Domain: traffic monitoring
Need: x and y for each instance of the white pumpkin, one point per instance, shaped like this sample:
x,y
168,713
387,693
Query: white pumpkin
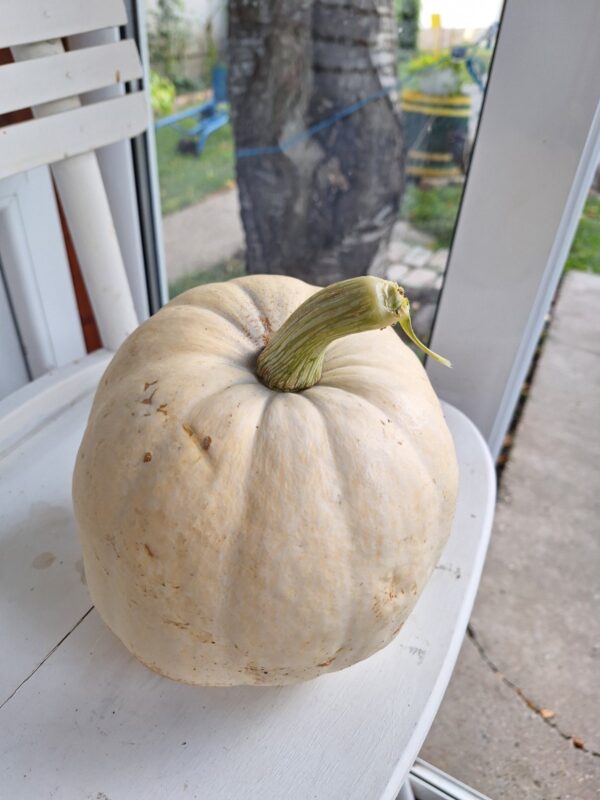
x,y
238,534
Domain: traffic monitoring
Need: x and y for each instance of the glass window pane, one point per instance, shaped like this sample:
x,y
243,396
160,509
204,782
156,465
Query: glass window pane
x,y
321,139
443,75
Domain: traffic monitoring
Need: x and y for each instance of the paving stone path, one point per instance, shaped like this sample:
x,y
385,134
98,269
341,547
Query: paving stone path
x,y
412,261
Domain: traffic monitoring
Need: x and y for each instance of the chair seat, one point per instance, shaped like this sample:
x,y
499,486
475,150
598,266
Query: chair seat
x,y
85,719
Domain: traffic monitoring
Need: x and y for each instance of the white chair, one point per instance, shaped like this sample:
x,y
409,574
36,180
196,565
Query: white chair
x,y
65,133
79,716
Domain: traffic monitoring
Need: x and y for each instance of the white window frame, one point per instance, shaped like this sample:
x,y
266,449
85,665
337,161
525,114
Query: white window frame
x,y
537,148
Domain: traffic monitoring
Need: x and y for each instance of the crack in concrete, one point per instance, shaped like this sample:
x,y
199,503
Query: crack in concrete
x,y
550,721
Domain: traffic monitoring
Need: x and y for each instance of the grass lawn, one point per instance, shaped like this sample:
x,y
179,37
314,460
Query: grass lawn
x,y
233,268
585,250
434,210
184,178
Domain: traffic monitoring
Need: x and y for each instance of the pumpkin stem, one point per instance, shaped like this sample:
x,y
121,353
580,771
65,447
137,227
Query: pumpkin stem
x,y
293,359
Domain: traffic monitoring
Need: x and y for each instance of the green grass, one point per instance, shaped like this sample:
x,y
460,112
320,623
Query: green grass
x,y
186,179
433,210
233,268
585,250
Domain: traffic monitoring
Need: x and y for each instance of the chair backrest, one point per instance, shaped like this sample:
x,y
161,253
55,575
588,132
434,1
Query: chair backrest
x,y
64,133
48,80
219,84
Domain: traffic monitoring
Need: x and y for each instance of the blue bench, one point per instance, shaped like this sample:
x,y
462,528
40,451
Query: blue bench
x,y
211,116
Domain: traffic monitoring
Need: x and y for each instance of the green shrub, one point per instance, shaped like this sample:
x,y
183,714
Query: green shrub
x,y
184,84
168,37
437,74
162,94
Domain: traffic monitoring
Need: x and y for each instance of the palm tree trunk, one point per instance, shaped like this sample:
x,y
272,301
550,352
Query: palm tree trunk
x,y
321,209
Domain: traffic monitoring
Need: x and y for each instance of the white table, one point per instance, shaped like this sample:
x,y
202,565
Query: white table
x,y
82,719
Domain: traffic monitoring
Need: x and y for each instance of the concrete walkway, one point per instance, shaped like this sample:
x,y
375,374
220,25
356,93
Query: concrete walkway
x,y
204,235
520,718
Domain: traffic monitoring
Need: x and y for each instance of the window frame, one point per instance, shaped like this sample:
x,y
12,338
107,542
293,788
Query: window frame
x,y
515,225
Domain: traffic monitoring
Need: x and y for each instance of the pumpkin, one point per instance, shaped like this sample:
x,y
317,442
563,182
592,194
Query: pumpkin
x,y
266,481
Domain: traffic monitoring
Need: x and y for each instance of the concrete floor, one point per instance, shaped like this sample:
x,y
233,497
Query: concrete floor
x,y
521,715
201,236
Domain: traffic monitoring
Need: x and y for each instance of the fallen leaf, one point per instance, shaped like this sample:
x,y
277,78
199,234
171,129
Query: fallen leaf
x,y
547,713
578,743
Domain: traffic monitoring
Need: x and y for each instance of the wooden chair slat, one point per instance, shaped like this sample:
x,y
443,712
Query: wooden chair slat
x,y
23,21
49,139
41,80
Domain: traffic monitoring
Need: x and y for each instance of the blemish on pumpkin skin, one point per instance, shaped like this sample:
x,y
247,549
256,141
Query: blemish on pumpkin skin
x,y
148,400
327,662
149,550
266,323
257,672
203,443
147,457
162,409
202,636
184,626
111,542
148,384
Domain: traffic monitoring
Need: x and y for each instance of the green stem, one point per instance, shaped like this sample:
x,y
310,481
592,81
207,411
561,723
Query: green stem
x,y
293,359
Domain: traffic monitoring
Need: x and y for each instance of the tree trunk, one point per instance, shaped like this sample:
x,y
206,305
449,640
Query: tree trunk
x,y
320,209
